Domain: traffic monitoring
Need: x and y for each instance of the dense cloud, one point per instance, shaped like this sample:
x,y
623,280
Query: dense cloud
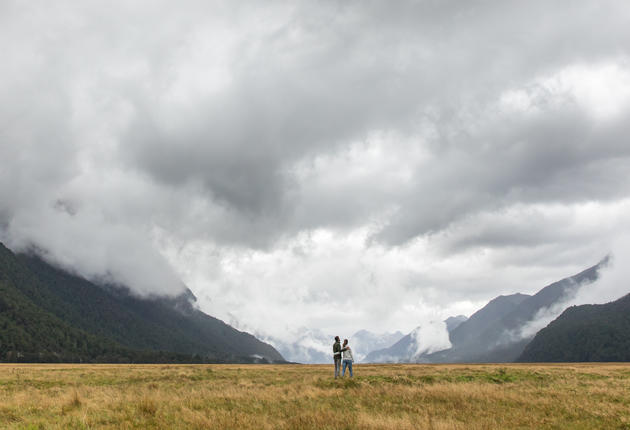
x,y
393,161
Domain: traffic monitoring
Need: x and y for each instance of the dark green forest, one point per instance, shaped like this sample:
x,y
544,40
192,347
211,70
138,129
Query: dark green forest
x,y
584,333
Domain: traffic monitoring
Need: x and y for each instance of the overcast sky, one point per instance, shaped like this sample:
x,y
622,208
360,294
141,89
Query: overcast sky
x,y
331,165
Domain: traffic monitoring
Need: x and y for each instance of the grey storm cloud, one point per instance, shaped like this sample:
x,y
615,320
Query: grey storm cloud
x,y
410,132
555,157
296,92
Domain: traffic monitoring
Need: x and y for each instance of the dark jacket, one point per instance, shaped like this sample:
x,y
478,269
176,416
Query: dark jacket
x,y
337,350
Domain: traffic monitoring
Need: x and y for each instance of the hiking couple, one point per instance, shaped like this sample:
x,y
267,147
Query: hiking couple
x,y
342,353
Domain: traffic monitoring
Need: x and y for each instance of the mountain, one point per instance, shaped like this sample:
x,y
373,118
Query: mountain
x,y
453,322
315,347
364,341
52,313
400,352
461,331
498,332
310,346
488,316
584,333
465,338
407,347
306,346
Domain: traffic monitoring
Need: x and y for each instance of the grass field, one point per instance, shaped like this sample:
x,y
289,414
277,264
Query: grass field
x,y
580,396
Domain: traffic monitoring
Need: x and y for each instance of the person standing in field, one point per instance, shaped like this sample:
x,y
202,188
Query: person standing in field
x,y
337,356
347,358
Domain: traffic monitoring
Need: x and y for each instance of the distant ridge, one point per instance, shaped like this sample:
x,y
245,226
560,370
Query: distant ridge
x,y
50,315
485,318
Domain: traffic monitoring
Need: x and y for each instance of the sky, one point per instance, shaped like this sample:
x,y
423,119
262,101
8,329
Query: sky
x,y
331,165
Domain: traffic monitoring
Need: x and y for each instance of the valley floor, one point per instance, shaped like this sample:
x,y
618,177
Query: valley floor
x,y
580,396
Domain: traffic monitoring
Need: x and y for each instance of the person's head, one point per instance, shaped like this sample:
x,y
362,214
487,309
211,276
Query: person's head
x,y
345,342
337,338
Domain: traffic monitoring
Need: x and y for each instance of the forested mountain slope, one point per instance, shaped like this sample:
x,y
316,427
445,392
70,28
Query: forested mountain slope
x,y
39,296
584,333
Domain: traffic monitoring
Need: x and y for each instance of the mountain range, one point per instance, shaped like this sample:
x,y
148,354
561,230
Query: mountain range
x,y
498,332
47,314
365,341
307,346
407,346
315,347
50,315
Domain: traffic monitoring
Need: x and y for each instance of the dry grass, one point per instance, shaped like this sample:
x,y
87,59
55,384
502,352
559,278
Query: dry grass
x,y
579,396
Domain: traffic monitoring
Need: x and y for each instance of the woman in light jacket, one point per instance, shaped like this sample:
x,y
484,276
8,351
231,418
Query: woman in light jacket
x,y
346,353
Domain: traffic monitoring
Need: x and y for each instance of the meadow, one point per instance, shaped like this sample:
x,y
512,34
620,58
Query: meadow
x,y
514,396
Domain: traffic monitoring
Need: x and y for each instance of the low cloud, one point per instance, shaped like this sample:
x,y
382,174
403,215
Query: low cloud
x,y
117,255
430,337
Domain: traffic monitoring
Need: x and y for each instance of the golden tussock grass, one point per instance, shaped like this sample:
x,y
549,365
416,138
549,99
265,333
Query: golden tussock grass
x,y
580,396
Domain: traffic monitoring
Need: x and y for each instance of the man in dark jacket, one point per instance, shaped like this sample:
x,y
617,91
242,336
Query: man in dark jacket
x,y
337,356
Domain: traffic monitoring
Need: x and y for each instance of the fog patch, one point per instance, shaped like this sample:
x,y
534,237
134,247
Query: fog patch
x,y
429,337
542,318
